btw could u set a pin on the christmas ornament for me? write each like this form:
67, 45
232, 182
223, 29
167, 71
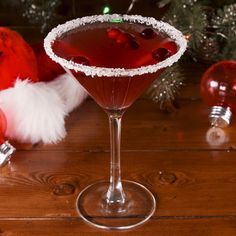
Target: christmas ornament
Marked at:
218, 89
6, 149
211, 34
17, 59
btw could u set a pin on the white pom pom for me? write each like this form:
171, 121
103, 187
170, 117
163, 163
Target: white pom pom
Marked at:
70, 90
34, 112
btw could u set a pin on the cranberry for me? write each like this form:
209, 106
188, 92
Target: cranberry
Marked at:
161, 54
128, 40
122, 38
113, 33
170, 45
148, 33
129, 36
132, 44
80, 60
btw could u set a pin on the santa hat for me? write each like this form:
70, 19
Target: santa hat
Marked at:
35, 93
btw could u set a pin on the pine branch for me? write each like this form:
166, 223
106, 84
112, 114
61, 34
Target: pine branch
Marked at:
40, 12
164, 89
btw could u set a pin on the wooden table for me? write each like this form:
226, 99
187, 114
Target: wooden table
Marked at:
194, 179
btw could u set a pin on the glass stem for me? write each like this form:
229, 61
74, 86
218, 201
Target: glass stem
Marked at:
115, 193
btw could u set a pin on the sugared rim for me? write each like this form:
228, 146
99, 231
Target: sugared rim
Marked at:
173, 33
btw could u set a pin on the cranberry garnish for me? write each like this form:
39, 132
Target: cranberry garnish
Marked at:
161, 54
80, 60
122, 38
170, 45
132, 44
148, 33
129, 36
113, 33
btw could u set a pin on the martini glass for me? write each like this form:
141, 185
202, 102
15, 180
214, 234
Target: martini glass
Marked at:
115, 58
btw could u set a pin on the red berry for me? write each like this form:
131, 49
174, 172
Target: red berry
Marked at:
170, 45
128, 40
122, 38
148, 33
80, 60
132, 44
129, 36
113, 33
161, 54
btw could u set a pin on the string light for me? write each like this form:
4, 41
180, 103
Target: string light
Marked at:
106, 9
131, 5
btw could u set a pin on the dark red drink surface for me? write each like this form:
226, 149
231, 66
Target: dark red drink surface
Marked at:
112, 45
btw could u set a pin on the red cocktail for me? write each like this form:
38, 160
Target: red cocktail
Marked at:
115, 45
115, 58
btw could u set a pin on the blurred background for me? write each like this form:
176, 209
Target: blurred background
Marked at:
34, 18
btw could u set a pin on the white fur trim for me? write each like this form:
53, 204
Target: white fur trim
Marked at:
70, 90
34, 112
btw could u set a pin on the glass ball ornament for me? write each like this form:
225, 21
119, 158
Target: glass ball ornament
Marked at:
6, 149
218, 90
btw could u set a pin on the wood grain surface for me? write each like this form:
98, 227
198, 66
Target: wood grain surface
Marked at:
160, 226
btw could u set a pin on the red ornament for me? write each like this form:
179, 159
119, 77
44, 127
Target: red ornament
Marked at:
47, 68
218, 90
17, 59
6, 149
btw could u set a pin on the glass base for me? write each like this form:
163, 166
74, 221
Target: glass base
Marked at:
138, 207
